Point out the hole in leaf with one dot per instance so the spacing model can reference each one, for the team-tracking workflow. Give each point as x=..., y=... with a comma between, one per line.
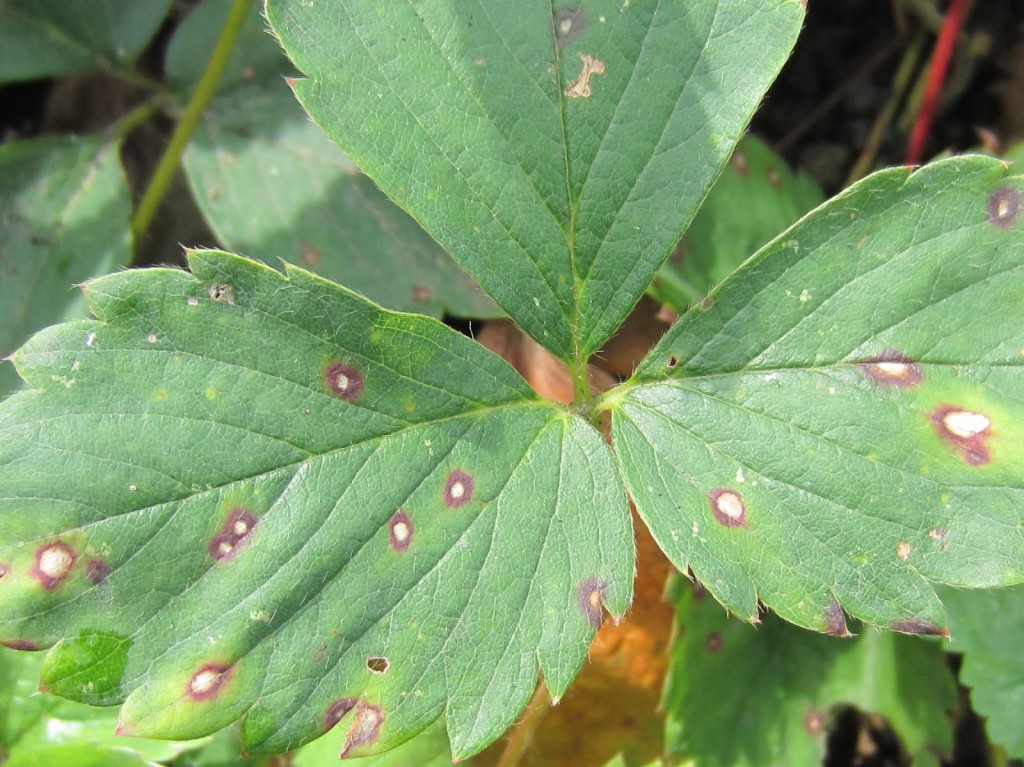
x=378, y=664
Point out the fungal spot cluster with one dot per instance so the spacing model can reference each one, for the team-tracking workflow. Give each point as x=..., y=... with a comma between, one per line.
x=458, y=489
x=364, y=729
x=400, y=530
x=378, y=664
x=966, y=430
x=727, y=507
x=892, y=368
x=343, y=381
x=1003, y=207
x=207, y=681
x=580, y=87
x=222, y=293
x=236, y=530
x=53, y=563
x=590, y=598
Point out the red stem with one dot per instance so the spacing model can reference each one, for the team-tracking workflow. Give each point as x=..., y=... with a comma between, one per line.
x=944, y=48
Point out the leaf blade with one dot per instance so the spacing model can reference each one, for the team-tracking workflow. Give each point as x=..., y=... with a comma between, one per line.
x=531, y=207
x=856, y=341
x=376, y=491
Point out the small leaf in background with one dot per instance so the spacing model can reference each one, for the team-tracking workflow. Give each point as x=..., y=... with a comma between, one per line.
x=42, y=38
x=556, y=150
x=842, y=426
x=41, y=730
x=271, y=185
x=987, y=626
x=64, y=207
x=748, y=696
x=299, y=509
x=755, y=198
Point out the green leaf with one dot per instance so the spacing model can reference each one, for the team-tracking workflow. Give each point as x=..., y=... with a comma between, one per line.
x=740, y=696
x=557, y=152
x=65, y=207
x=256, y=56
x=43, y=38
x=755, y=198
x=40, y=729
x=986, y=626
x=273, y=186
x=843, y=425
x=292, y=505
x=428, y=749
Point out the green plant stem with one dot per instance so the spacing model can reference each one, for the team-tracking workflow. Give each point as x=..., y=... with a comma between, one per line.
x=129, y=122
x=207, y=86
x=582, y=397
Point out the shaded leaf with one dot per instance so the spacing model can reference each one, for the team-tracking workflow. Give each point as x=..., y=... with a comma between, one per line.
x=986, y=626
x=755, y=198
x=557, y=151
x=42, y=38
x=41, y=729
x=273, y=186
x=64, y=207
x=740, y=695
x=842, y=426
x=256, y=56
x=297, y=508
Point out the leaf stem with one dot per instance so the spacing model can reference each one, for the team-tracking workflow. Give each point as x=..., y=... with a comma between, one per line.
x=582, y=397
x=129, y=122
x=207, y=86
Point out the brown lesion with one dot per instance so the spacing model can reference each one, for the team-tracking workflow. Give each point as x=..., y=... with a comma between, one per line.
x=966, y=430
x=580, y=87
x=893, y=368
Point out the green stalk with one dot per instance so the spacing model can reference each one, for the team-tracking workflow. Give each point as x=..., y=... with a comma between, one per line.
x=207, y=86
